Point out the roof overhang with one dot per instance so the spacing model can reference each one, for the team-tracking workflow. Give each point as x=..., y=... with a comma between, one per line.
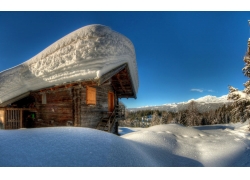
x=4, y=104
x=121, y=80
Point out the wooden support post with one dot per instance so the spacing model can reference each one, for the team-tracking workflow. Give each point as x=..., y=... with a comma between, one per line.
x=21, y=118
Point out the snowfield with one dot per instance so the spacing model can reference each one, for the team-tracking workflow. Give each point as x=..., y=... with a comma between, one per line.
x=170, y=145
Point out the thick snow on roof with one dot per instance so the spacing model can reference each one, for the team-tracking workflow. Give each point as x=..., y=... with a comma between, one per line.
x=162, y=145
x=85, y=54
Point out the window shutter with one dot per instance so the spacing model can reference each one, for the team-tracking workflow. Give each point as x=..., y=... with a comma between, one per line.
x=44, y=99
x=91, y=96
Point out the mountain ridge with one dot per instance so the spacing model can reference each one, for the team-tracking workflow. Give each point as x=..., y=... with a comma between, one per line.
x=205, y=103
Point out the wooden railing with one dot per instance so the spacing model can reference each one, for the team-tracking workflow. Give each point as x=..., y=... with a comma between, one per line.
x=117, y=114
x=111, y=120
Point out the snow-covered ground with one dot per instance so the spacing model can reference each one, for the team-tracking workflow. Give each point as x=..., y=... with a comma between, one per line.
x=170, y=145
x=210, y=146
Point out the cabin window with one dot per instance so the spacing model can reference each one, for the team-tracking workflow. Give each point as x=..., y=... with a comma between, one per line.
x=44, y=98
x=91, y=96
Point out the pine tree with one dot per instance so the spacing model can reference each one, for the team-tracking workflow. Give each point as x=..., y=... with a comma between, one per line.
x=170, y=118
x=155, y=119
x=164, y=117
x=182, y=117
x=241, y=110
x=193, y=118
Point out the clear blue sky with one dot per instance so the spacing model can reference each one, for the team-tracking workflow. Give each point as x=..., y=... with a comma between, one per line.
x=180, y=55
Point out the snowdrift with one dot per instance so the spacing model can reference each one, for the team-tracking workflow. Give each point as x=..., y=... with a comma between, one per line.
x=85, y=54
x=169, y=145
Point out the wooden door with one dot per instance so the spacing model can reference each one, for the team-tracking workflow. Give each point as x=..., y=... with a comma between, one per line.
x=111, y=101
x=2, y=117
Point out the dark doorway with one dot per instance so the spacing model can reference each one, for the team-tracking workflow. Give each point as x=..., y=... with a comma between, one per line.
x=29, y=119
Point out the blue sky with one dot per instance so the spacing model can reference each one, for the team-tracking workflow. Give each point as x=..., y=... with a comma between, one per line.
x=180, y=55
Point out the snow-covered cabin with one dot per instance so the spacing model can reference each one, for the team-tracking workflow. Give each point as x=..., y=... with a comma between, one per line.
x=76, y=81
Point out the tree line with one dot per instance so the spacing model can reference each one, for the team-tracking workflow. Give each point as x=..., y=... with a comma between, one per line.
x=189, y=117
x=238, y=111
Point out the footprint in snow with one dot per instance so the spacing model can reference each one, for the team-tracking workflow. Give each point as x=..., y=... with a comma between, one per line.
x=201, y=135
x=159, y=132
x=185, y=136
x=195, y=137
x=169, y=132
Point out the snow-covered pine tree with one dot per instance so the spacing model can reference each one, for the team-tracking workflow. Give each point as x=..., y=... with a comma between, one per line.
x=193, y=118
x=170, y=118
x=241, y=110
x=155, y=119
x=164, y=117
x=181, y=117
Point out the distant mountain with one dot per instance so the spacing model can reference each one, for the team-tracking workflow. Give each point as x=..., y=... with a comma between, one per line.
x=203, y=104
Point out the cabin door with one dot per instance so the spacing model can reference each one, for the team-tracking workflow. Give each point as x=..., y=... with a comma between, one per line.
x=13, y=119
x=111, y=101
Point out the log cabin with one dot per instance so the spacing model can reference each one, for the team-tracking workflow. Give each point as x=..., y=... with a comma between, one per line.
x=76, y=81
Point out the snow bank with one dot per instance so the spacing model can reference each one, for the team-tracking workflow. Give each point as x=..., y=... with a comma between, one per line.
x=169, y=145
x=211, y=146
x=67, y=147
x=85, y=54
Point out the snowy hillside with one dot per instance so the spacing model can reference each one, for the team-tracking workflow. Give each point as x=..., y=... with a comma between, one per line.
x=203, y=104
x=170, y=145
x=211, y=99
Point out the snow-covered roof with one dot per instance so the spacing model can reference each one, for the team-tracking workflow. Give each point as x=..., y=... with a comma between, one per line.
x=85, y=54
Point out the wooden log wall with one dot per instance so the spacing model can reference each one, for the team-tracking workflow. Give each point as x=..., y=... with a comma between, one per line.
x=76, y=106
x=58, y=108
x=92, y=114
x=67, y=106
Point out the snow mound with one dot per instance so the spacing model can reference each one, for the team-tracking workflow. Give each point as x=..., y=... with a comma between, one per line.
x=177, y=145
x=85, y=54
x=170, y=145
x=67, y=147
